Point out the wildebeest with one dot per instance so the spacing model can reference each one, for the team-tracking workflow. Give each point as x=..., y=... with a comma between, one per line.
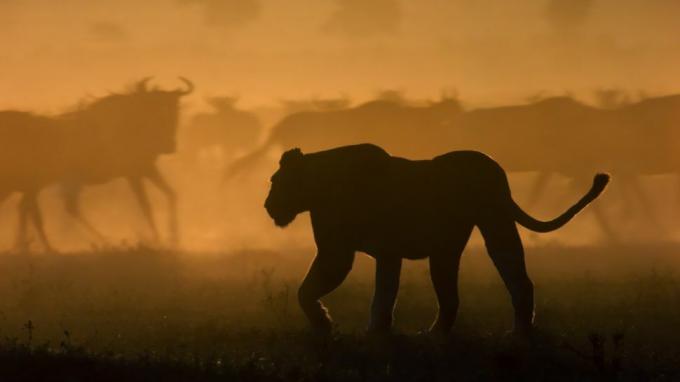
x=400, y=128
x=565, y=136
x=119, y=135
x=552, y=135
x=292, y=106
x=556, y=135
x=225, y=127
x=560, y=135
x=33, y=154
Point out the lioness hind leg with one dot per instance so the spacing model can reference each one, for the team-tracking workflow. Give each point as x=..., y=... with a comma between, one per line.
x=387, y=273
x=327, y=272
x=507, y=253
x=444, y=274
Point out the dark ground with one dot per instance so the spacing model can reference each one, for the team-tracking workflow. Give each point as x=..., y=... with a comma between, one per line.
x=605, y=313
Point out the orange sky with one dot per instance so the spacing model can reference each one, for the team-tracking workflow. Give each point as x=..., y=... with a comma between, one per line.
x=54, y=53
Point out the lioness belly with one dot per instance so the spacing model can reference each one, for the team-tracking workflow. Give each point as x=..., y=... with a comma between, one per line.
x=411, y=237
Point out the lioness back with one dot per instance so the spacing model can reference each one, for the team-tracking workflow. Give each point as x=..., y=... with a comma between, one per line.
x=385, y=200
x=366, y=177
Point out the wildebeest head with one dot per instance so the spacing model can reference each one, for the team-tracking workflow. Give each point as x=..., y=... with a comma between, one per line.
x=157, y=113
x=143, y=120
x=287, y=194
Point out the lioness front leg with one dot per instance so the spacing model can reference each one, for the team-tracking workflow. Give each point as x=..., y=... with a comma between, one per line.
x=327, y=272
x=387, y=272
x=444, y=274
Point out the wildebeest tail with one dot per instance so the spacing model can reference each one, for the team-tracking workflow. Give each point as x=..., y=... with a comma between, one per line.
x=599, y=183
x=247, y=161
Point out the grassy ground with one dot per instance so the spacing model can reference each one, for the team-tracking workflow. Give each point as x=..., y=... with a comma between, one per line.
x=604, y=313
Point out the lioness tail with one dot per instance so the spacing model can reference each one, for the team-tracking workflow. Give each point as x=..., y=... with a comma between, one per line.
x=599, y=183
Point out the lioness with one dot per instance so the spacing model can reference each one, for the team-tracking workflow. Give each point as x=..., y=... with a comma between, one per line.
x=362, y=199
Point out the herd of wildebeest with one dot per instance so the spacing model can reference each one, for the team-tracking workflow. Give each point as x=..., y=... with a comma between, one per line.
x=122, y=135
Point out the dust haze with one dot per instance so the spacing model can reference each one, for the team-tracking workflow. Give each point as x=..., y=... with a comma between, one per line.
x=264, y=55
x=137, y=142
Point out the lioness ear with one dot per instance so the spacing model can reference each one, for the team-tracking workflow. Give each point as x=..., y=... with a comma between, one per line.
x=291, y=156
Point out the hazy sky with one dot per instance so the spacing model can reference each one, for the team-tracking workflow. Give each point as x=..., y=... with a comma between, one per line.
x=56, y=52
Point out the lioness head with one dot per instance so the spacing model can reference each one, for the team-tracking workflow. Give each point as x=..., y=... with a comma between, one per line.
x=286, y=196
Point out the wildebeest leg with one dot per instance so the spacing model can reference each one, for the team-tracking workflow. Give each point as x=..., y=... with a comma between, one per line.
x=71, y=194
x=3, y=196
x=505, y=249
x=31, y=209
x=645, y=203
x=140, y=194
x=326, y=273
x=157, y=179
x=577, y=185
x=603, y=222
x=538, y=188
x=444, y=275
x=387, y=272
x=21, y=242
x=677, y=188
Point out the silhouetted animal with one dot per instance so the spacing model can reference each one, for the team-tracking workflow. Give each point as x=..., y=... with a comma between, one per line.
x=645, y=142
x=314, y=104
x=552, y=135
x=648, y=135
x=533, y=137
x=562, y=136
x=120, y=135
x=143, y=124
x=33, y=154
x=404, y=129
x=226, y=127
x=362, y=199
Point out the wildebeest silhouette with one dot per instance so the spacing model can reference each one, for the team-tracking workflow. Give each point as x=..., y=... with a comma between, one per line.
x=32, y=154
x=293, y=106
x=560, y=135
x=362, y=199
x=400, y=127
x=225, y=127
x=118, y=135
x=556, y=135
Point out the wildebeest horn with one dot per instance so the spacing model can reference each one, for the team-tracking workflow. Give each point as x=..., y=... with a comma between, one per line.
x=189, y=84
x=141, y=85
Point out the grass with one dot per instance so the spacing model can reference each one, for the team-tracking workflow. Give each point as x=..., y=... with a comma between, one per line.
x=604, y=313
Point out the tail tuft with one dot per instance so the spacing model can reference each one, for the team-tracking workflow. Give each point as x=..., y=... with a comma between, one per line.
x=600, y=182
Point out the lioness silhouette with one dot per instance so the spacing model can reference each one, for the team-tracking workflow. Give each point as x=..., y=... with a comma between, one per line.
x=362, y=199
